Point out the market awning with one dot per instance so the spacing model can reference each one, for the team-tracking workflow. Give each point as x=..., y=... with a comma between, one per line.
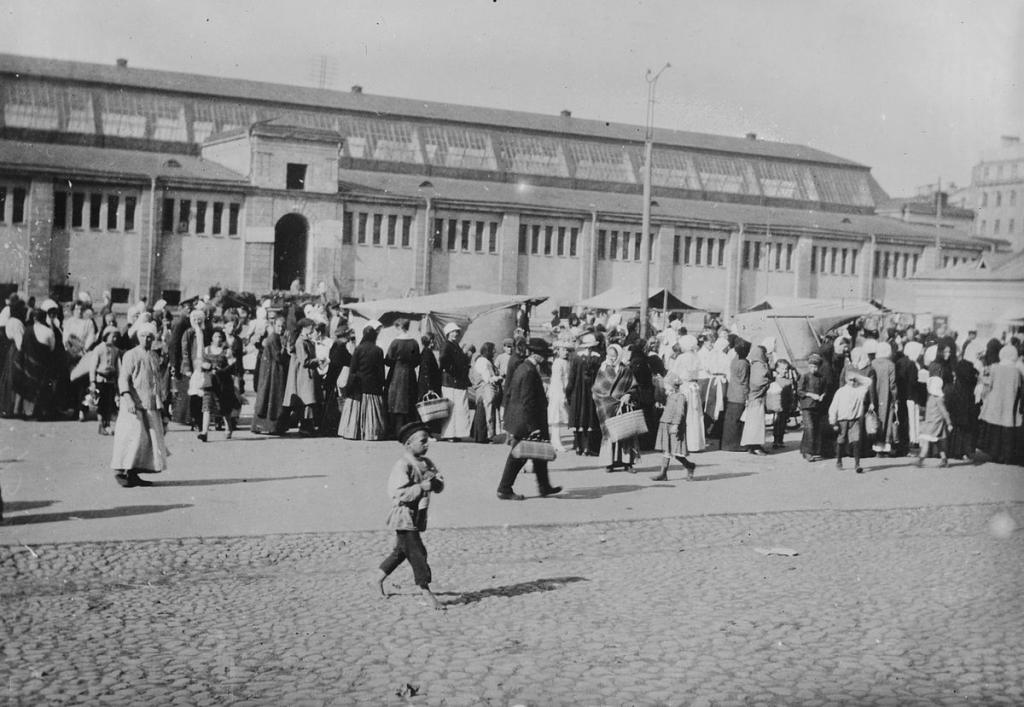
x=629, y=298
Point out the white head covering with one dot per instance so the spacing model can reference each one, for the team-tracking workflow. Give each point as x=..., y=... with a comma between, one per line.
x=687, y=342
x=161, y=305
x=858, y=358
x=769, y=345
x=870, y=346
x=48, y=304
x=884, y=350
x=146, y=328
x=450, y=327
x=912, y=350
x=930, y=353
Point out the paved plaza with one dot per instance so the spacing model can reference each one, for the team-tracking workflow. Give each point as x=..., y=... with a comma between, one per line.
x=244, y=577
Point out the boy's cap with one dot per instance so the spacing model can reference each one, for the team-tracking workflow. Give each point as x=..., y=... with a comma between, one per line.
x=814, y=359
x=409, y=429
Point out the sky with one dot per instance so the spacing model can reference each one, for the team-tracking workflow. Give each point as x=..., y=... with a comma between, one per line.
x=915, y=90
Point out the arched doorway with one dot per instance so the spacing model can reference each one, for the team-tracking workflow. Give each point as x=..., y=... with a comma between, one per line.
x=290, y=237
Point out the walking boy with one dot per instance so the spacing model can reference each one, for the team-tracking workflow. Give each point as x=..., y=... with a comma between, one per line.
x=846, y=415
x=413, y=478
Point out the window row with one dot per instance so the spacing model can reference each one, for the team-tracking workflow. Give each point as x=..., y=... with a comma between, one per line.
x=199, y=217
x=955, y=260
x=758, y=255
x=95, y=210
x=365, y=228
x=699, y=251
x=1011, y=227
x=895, y=264
x=624, y=245
x=535, y=239
x=999, y=171
x=12, y=204
x=834, y=260
x=997, y=198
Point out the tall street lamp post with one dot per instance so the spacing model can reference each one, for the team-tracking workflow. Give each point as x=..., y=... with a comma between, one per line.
x=645, y=226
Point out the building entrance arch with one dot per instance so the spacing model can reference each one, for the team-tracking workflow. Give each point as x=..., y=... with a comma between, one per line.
x=291, y=237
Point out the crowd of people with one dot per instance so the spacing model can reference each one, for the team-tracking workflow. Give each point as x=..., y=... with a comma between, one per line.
x=594, y=385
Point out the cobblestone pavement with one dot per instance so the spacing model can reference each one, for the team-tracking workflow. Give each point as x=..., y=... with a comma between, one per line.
x=889, y=607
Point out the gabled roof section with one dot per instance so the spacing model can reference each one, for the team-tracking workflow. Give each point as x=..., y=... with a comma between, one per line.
x=75, y=161
x=299, y=96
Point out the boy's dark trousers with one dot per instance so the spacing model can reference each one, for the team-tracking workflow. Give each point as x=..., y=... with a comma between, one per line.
x=810, y=442
x=409, y=546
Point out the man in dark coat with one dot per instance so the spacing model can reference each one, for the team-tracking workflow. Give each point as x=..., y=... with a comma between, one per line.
x=526, y=413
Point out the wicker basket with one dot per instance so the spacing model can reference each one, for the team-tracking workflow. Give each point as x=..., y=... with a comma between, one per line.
x=628, y=423
x=433, y=407
x=534, y=449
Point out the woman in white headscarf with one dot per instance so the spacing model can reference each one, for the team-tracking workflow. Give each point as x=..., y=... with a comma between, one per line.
x=687, y=367
x=753, y=437
x=1002, y=410
x=613, y=388
x=909, y=378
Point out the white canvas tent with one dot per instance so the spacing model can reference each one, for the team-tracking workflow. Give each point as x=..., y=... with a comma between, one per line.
x=798, y=324
x=483, y=316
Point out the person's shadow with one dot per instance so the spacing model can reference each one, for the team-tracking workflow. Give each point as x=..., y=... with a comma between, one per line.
x=512, y=590
x=724, y=475
x=118, y=512
x=218, y=482
x=599, y=491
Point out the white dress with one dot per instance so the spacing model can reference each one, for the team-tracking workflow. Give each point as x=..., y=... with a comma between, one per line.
x=558, y=407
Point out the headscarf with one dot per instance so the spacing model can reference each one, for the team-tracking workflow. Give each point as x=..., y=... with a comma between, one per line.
x=859, y=358
x=687, y=342
x=884, y=350
x=145, y=328
x=1008, y=355
x=838, y=341
x=870, y=346
x=992, y=351
x=619, y=359
x=912, y=350
x=196, y=317
x=930, y=353
x=769, y=345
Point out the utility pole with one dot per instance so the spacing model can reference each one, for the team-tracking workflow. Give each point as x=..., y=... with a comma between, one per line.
x=645, y=224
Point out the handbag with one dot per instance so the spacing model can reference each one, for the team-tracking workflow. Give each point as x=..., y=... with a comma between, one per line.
x=433, y=407
x=871, y=423
x=626, y=424
x=533, y=447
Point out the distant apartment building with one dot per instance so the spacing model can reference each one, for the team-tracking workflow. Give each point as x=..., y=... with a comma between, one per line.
x=998, y=186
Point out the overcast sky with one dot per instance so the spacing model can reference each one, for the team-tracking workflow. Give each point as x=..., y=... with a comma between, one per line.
x=917, y=90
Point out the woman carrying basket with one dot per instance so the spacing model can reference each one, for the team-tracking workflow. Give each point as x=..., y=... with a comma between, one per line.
x=612, y=391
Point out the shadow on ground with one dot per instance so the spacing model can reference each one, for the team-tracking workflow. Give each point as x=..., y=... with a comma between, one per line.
x=26, y=505
x=599, y=491
x=515, y=590
x=117, y=512
x=218, y=482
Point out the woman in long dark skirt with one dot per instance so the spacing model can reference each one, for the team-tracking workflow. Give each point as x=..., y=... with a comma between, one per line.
x=429, y=378
x=963, y=411
x=269, y=415
x=339, y=358
x=402, y=358
x=736, y=392
x=583, y=418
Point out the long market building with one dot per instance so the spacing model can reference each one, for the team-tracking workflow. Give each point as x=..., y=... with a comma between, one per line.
x=156, y=184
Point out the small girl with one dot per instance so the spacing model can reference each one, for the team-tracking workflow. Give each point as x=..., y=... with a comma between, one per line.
x=781, y=400
x=936, y=425
x=103, y=378
x=672, y=430
x=410, y=484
